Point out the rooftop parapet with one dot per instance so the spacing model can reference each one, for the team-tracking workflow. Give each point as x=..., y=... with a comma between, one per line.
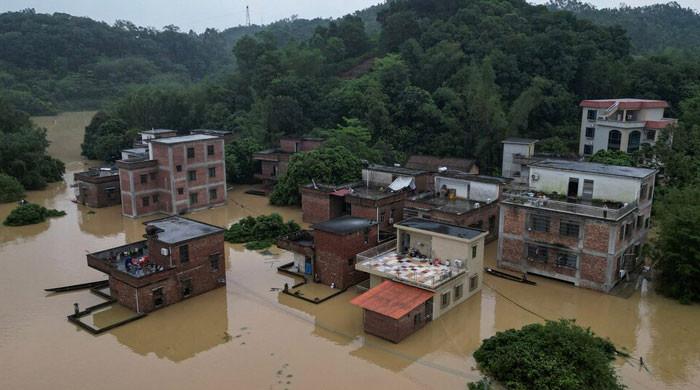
x=612, y=211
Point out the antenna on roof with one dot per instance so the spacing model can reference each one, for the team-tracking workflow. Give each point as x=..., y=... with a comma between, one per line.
x=247, y=16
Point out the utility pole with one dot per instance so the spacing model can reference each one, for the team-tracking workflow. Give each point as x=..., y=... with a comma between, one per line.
x=247, y=16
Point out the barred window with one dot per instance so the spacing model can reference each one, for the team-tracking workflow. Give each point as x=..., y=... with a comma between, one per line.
x=565, y=259
x=537, y=253
x=539, y=223
x=568, y=228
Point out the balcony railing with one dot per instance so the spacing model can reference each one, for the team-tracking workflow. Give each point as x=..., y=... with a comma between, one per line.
x=604, y=212
x=376, y=251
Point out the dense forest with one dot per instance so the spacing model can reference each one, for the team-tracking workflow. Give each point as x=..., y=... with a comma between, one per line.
x=652, y=28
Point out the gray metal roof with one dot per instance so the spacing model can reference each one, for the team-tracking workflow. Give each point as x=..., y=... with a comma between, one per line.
x=178, y=229
x=517, y=140
x=441, y=228
x=344, y=225
x=596, y=168
x=185, y=138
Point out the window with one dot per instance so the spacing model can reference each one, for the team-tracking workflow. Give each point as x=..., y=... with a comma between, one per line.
x=445, y=300
x=210, y=150
x=351, y=261
x=590, y=132
x=156, y=198
x=186, y=288
x=144, y=179
x=381, y=216
x=152, y=175
x=591, y=115
x=145, y=201
x=212, y=193
x=622, y=232
x=640, y=221
x=178, y=168
x=568, y=228
x=539, y=223
x=212, y=172
x=473, y=282
x=458, y=291
x=194, y=198
x=628, y=229
x=366, y=238
x=537, y=253
x=158, y=297
x=633, y=141
x=474, y=249
x=587, y=149
x=651, y=135
x=614, y=140
x=184, y=253
x=180, y=191
x=651, y=192
x=214, y=262
x=416, y=319
x=643, y=191
x=192, y=175
x=190, y=152
x=565, y=259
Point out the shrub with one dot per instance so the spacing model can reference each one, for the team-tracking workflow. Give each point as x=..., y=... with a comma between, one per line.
x=259, y=232
x=29, y=214
x=11, y=190
x=554, y=355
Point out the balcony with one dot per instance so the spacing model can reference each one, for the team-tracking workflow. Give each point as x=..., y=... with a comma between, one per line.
x=420, y=271
x=613, y=211
x=129, y=263
x=621, y=124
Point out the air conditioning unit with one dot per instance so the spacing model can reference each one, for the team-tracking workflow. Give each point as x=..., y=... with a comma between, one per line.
x=535, y=177
x=164, y=251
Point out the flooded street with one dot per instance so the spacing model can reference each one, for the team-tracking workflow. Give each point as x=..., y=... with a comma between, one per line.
x=248, y=335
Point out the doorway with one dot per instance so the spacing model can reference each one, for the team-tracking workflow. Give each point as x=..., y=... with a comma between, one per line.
x=158, y=297
x=186, y=288
x=429, y=310
x=405, y=242
x=573, y=188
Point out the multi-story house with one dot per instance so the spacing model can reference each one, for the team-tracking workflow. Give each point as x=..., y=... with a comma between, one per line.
x=97, y=187
x=621, y=124
x=178, y=259
x=580, y=222
x=428, y=270
x=180, y=174
x=274, y=162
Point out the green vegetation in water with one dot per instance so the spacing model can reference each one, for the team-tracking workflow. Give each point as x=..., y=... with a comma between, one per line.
x=259, y=232
x=29, y=214
x=553, y=355
x=10, y=189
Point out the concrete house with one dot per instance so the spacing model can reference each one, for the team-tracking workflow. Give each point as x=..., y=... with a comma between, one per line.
x=621, y=124
x=429, y=269
x=518, y=154
x=178, y=259
x=579, y=222
x=274, y=162
x=97, y=187
x=180, y=174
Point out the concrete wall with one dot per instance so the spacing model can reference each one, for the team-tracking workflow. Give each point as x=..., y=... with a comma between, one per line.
x=469, y=189
x=376, y=178
x=614, y=188
x=509, y=167
x=335, y=256
x=392, y=329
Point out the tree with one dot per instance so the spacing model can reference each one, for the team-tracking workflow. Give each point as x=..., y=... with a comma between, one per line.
x=240, y=165
x=677, y=247
x=259, y=232
x=612, y=157
x=10, y=189
x=29, y=214
x=554, y=355
x=335, y=165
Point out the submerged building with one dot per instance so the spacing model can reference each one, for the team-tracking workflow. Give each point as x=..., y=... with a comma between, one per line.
x=428, y=270
x=97, y=187
x=180, y=174
x=274, y=162
x=580, y=222
x=179, y=258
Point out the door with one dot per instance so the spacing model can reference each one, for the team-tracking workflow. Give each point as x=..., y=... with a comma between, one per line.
x=405, y=242
x=587, y=190
x=158, y=297
x=307, y=266
x=429, y=310
x=573, y=188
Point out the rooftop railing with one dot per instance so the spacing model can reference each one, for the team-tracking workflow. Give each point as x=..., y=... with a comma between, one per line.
x=378, y=250
x=603, y=211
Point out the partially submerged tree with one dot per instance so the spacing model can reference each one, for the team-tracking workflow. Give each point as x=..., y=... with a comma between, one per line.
x=554, y=355
x=10, y=189
x=29, y=214
x=259, y=232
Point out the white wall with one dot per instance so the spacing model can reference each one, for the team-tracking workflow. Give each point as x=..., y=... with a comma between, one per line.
x=376, y=178
x=469, y=189
x=605, y=187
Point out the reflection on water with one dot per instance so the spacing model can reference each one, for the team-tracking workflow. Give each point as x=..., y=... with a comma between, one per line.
x=248, y=335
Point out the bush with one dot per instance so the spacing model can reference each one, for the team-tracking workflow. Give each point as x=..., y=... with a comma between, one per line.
x=10, y=189
x=29, y=214
x=554, y=355
x=259, y=232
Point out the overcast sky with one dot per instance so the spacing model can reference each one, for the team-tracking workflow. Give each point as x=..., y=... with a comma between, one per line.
x=220, y=14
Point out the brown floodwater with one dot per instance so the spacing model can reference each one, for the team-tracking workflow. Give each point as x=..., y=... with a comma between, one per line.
x=248, y=335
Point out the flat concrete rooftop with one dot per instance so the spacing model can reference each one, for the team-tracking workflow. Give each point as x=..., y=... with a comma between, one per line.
x=441, y=228
x=178, y=229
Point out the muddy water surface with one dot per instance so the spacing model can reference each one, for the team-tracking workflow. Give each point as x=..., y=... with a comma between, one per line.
x=248, y=335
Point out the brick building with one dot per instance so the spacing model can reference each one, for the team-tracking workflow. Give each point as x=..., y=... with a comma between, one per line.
x=428, y=270
x=98, y=187
x=181, y=174
x=180, y=258
x=327, y=253
x=579, y=222
x=274, y=162
x=460, y=199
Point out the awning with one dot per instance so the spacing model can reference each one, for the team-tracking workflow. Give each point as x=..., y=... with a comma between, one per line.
x=402, y=182
x=392, y=299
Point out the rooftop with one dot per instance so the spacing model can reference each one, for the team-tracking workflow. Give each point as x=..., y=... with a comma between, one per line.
x=100, y=172
x=372, y=193
x=396, y=170
x=457, y=206
x=441, y=228
x=625, y=103
x=177, y=229
x=608, y=210
x=521, y=141
x=392, y=299
x=596, y=168
x=158, y=131
x=185, y=138
x=344, y=225
x=433, y=163
x=473, y=177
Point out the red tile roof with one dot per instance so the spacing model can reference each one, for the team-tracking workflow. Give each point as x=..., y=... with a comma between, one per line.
x=662, y=124
x=625, y=104
x=392, y=299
